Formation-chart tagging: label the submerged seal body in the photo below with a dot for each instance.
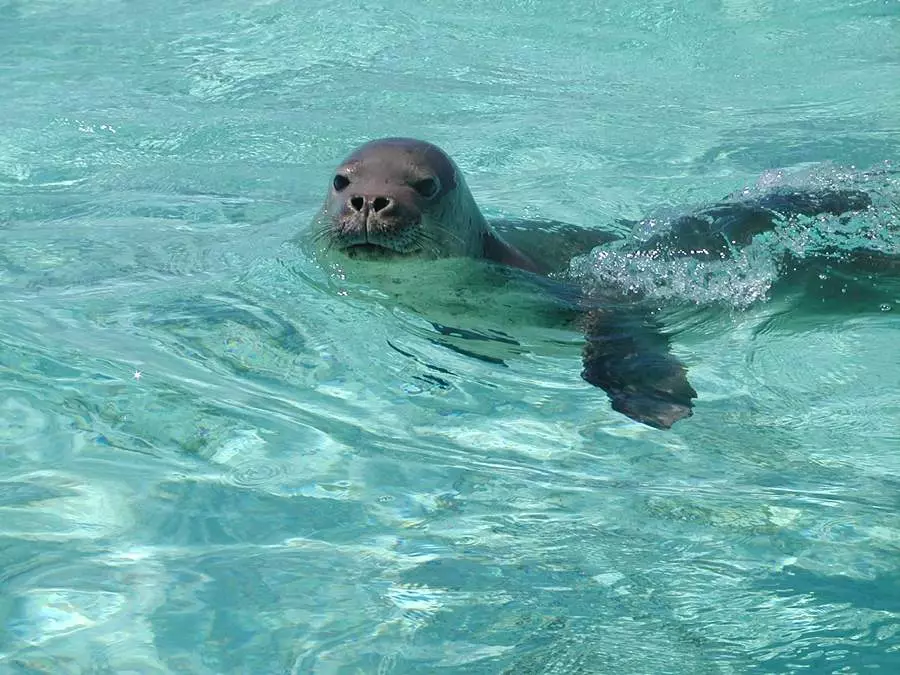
(402, 197)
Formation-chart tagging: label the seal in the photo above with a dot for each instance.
(405, 198)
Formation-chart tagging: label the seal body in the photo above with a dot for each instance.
(401, 197)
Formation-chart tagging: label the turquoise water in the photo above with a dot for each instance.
(301, 481)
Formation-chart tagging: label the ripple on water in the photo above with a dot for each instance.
(790, 365)
(69, 606)
(250, 460)
(44, 614)
(20, 422)
(827, 371)
(56, 506)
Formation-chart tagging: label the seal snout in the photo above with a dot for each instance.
(377, 219)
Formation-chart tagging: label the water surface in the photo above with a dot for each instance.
(217, 456)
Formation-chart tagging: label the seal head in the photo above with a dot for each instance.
(401, 196)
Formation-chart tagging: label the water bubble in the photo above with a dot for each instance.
(885, 307)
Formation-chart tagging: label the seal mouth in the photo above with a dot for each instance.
(370, 251)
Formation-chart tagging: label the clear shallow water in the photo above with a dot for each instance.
(282, 491)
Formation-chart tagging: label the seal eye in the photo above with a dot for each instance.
(427, 187)
(340, 182)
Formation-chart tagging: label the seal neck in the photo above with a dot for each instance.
(499, 251)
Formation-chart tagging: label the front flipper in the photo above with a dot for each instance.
(628, 357)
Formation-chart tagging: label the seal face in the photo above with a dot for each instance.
(401, 196)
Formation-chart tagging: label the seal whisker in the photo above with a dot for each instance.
(321, 233)
(422, 238)
(445, 230)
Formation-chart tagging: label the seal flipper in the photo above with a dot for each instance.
(628, 357)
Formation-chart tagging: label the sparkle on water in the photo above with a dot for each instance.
(217, 456)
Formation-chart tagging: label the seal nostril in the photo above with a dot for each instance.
(380, 203)
(357, 203)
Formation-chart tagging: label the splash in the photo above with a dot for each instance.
(868, 241)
